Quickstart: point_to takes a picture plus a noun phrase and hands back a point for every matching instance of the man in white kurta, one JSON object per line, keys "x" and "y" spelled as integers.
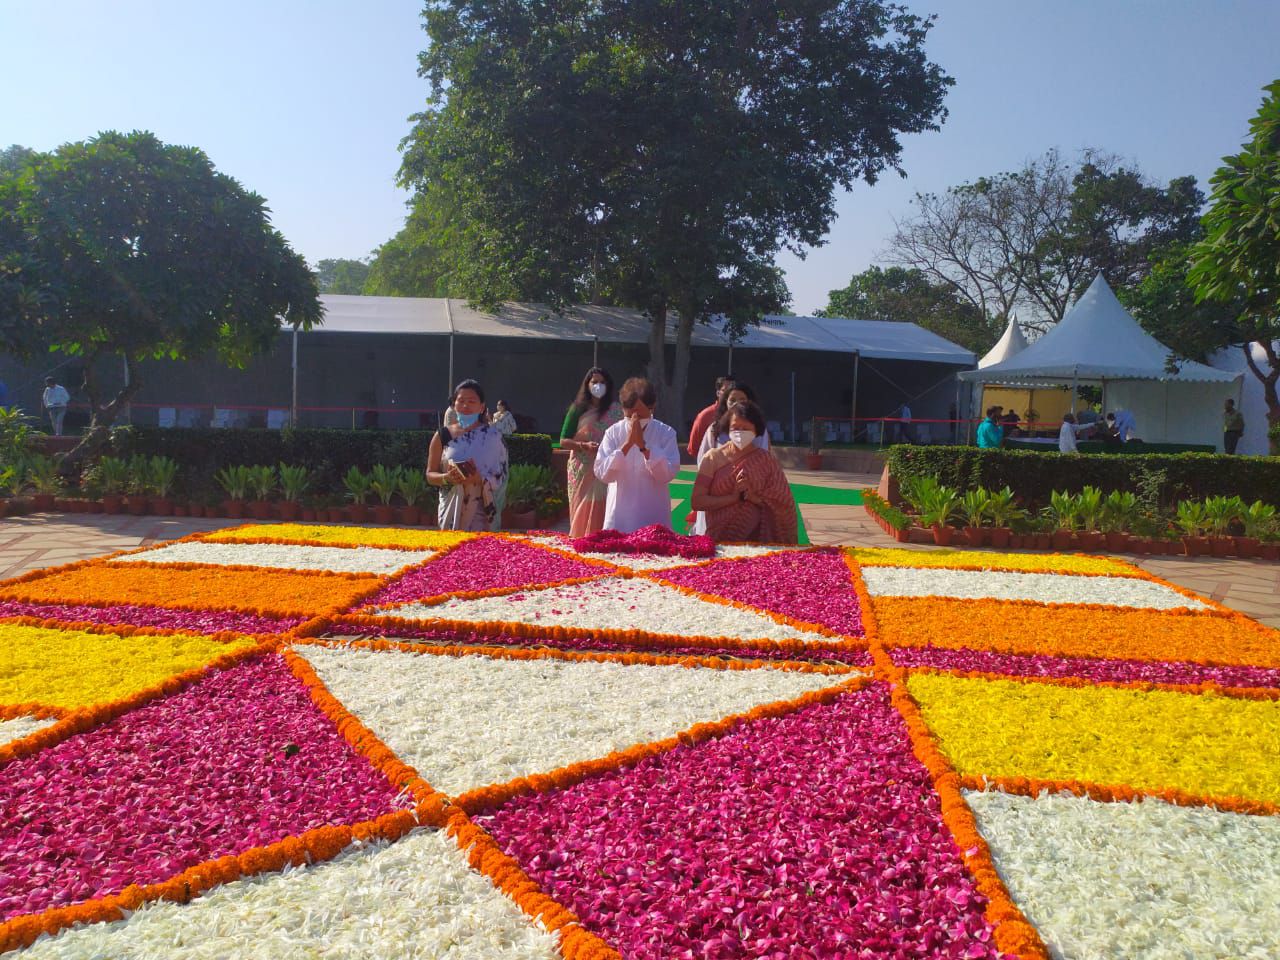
{"x": 638, "y": 459}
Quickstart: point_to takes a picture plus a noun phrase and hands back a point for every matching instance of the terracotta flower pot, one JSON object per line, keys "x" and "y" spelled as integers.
{"x": 522, "y": 519}
{"x": 1222, "y": 546}
{"x": 1063, "y": 539}
{"x": 1090, "y": 540}
{"x": 179, "y": 510}
{"x": 357, "y": 513}
{"x": 384, "y": 513}
{"x": 288, "y": 509}
{"x": 93, "y": 506}
{"x": 1002, "y": 537}
{"x": 1117, "y": 541}
{"x": 161, "y": 506}
{"x": 1270, "y": 551}
{"x": 1248, "y": 547}
{"x": 813, "y": 461}
{"x": 308, "y": 513}
{"x": 260, "y": 509}
{"x": 138, "y": 506}
{"x": 410, "y": 516}
{"x": 195, "y": 509}
{"x": 1195, "y": 546}
{"x": 42, "y": 501}
{"x": 112, "y": 502}
{"x": 233, "y": 509}
{"x": 902, "y": 536}
{"x": 942, "y": 535}
{"x": 973, "y": 536}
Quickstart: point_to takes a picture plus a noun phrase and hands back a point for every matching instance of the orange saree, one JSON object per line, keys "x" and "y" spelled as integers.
{"x": 772, "y": 520}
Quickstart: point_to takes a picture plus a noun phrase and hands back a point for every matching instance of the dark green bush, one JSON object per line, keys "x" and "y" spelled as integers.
{"x": 328, "y": 454}
{"x": 891, "y": 515}
{"x": 1159, "y": 480}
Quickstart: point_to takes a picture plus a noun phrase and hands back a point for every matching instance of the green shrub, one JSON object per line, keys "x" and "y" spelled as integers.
{"x": 327, "y": 454}
{"x": 113, "y": 474}
{"x": 234, "y": 480}
{"x": 1159, "y": 480}
{"x": 262, "y": 481}
{"x": 1259, "y": 519}
{"x": 384, "y": 481}
{"x": 527, "y": 486}
{"x": 414, "y": 487}
{"x": 1191, "y": 518}
{"x": 891, "y": 515}
{"x": 161, "y": 474}
{"x": 1004, "y": 510}
{"x": 293, "y": 481}
{"x": 358, "y": 486}
{"x": 975, "y": 506}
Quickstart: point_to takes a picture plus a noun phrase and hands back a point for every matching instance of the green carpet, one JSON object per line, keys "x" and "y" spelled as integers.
{"x": 682, "y": 487}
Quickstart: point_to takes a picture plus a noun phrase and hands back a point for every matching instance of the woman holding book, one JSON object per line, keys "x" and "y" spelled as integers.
{"x": 468, "y": 461}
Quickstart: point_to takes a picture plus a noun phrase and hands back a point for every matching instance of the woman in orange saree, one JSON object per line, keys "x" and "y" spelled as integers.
{"x": 593, "y": 411}
{"x": 742, "y": 489}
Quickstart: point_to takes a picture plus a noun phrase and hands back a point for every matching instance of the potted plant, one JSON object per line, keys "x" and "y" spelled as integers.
{"x": 1118, "y": 512}
{"x": 1063, "y": 511}
{"x": 1219, "y": 513}
{"x": 938, "y": 504}
{"x": 262, "y": 483}
{"x": 161, "y": 473}
{"x": 357, "y": 484}
{"x": 413, "y": 488}
{"x": 526, "y": 485}
{"x": 293, "y": 483}
{"x": 13, "y": 477}
{"x": 1004, "y": 512}
{"x": 813, "y": 460}
{"x": 384, "y": 481}
{"x": 114, "y": 476}
{"x": 548, "y": 511}
{"x": 1259, "y": 520}
{"x": 1191, "y": 520}
{"x": 235, "y": 481}
{"x": 974, "y": 506}
{"x": 42, "y": 474}
{"x": 1089, "y": 510}
{"x": 137, "y": 485}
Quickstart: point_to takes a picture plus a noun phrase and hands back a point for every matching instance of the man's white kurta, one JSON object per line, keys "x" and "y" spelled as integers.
{"x": 638, "y": 487}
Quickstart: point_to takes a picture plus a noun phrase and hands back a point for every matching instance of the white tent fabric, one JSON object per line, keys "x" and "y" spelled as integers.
{"x": 1098, "y": 341}
{"x": 1011, "y": 343}
{"x": 872, "y": 339}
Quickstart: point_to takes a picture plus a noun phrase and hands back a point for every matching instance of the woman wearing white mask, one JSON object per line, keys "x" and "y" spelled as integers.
{"x": 469, "y": 462}
{"x": 593, "y": 411}
{"x": 717, "y": 435}
{"x": 638, "y": 458}
{"x": 741, "y": 488}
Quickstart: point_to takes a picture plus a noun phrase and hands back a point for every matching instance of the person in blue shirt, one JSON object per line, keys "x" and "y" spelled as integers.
{"x": 990, "y": 433}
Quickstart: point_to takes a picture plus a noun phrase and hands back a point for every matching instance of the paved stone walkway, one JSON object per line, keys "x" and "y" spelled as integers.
{"x": 43, "y": 540}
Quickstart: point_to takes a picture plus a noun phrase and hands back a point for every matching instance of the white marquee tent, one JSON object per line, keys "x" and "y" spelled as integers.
{"x": 1011, "y": 343}
{"x": 1097, "y": 342}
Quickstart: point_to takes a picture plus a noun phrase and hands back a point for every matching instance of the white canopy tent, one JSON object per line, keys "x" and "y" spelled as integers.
{"x": 1011, "y": 343}
{"x": 1099, "y": 342}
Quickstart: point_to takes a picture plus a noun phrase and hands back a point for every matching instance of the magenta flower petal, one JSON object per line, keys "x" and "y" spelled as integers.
{"x": 239, "y": 759}
{"x": 813, "y": 585}
{"x": 817, "y": 834}
{"x": 197, "y": 621}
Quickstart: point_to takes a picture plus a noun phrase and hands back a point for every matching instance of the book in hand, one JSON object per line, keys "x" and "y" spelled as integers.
{"x": 467, "y": 468}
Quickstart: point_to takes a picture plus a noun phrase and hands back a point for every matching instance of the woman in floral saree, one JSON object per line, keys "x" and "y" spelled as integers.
{"x": 592, "y": 412}
{"x": 741, "y": 488}
{"x": 469, "y": 462}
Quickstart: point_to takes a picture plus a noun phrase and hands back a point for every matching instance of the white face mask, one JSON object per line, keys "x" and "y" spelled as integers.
{"x": 741, "y": 438}
{"x": 598, "y": 390}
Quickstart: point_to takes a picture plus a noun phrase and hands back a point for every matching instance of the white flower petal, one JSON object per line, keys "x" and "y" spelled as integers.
{"x": 1011, "y": 585}
{"x": 283, "y": 555}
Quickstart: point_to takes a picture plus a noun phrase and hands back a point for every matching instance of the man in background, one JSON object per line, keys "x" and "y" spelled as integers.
{"x": 706, "y": 415}
{"x": 990, "y": 433}
{"x": 55, "y": 400}
{"x": 1232, "y": 427}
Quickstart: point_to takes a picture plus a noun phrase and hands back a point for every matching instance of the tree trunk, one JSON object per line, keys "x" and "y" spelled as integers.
{"x": 1269, "y": 380}
{"x": 671, "y": 389}
{"x": 101, "y": 416}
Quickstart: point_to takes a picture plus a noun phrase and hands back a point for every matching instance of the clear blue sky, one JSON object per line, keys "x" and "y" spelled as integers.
{"x": 306, "y": 102}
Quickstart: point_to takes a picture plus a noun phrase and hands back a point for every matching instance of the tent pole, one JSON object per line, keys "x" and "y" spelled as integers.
{"x": 955, "y": 427}
{"x": 448, "y": 312}
{"x": 795, "y": 437}
{"x": 595, "y": 349}
{"x": 853, "y": 410}
{"x": 293, "y": 408}
{"x": 1075, "y": 386}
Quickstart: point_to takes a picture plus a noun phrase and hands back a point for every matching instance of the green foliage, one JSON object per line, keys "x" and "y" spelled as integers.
{"x": 125, "y": 245}
{"x": 657, "y": 155}
{"x": 527, "y": 486}
{"x": 161, "y": 474}
{"x": 262, "y": 481}
{"x": 1064, "y": 509}
{"x": 16, "y": 435}
{"x": 1119, "y": 510}
{"x": 417, "y": 261}
{"x": 1259, "y": 519}
{"x": 892, "y": 515}
{"x": 13, "y": 477}
{"x": 1089, "y": 508}
{"x": 413, "y": 486}
{"x": 358, "y": 485}
{"x": 139, "y": 474}
{"x": 975, "y": 506}
{"x": 1221, "y": 512}
{"x": 293, "y": 481}
{"x": 1004, "y": 508}
{"x": 234, "y": 480}
{"x": 327, "y": 454}
{"x": 934, "y": 502}
{"x": 1190, "y": 518}
{"x": 384, "y": 481}
{"x": 1159, "y": 480}
{"x": 342, "y": 276}
{"x": 42, "y": 474}
{"x": 900, "y": 294}
{"x": 113, "y": 474}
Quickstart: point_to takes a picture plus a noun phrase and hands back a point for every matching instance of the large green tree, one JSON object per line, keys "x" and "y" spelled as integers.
{"x": 417, "y": 261}
{"x": 123, "y": 245}
{"x": 658, "y": 153}
{"x": 908, "y": 295}
{"x": 342, "y": 276}
{"x": 1238, "y": 261}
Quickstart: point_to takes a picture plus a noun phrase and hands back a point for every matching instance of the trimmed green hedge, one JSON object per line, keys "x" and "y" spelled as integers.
{"x": 327, "y": 453}
{"x": 1160, "y": 480}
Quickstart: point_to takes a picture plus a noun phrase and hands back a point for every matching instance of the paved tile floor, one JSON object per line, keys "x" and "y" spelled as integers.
{"x": 43, "y": 540}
